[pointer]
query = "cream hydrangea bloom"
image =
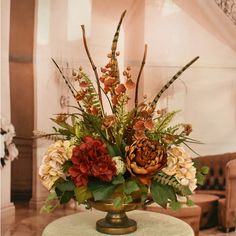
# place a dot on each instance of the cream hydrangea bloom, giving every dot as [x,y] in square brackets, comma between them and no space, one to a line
[120,165]
[51,167]
[180,165]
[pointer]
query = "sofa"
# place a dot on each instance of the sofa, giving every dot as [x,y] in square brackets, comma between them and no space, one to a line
[221,182]
[215,181]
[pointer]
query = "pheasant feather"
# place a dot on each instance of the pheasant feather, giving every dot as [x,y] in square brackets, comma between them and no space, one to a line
[114,62]
[167,85]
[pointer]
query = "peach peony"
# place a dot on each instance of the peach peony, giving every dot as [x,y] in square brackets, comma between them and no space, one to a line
[51,167]
[180,165]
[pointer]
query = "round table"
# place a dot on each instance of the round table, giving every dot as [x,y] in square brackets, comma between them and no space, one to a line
[208,204]
[149,223]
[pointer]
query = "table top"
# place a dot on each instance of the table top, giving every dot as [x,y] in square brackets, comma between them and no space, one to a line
[200,198]
[149,223]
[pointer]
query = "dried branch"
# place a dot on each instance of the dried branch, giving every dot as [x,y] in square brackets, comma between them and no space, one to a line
[67,83]
[94,68]
[139,75]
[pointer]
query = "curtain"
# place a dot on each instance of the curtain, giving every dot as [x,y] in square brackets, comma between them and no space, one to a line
[213,18]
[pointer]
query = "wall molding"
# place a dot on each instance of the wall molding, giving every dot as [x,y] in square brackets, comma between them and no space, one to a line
[16,58]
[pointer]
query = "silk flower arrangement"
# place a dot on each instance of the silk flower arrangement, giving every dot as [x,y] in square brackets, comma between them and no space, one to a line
[118,154]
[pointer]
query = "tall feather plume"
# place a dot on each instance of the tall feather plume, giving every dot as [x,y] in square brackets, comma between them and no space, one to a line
[114,62]
[167,85]
[139,75]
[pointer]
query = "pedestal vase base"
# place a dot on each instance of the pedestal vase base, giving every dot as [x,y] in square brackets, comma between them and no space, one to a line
[116,220]
[107,228]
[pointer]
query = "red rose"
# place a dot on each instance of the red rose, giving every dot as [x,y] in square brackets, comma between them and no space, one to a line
[91,158]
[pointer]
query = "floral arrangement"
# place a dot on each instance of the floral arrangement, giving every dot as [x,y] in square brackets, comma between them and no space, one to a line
[8,148]
[117,154]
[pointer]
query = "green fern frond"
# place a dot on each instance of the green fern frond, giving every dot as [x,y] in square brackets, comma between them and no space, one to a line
[171,181]
[121,120]
[129,131]
[121,113]
[173,129]
[164,121]
[92,98]
[92,125]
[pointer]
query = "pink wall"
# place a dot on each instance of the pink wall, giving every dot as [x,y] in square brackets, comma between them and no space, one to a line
[206,92]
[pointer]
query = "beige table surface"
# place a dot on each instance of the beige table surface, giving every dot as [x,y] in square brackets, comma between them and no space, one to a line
[149,224]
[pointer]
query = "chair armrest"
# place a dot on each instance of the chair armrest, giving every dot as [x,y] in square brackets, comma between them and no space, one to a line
[230,203]
[231,170]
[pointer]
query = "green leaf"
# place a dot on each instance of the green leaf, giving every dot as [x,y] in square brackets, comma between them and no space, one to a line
[50,203]
[101,190]
[189,202]
[73,120]
[66,166]
[58,192]
[185,191]
[161,193]
[82,194]
[128,199]
[47,209]
[119,179]
[64,132]
[200,178]
[66,196]
[66,186]
[63,124]
[144,191]
[113,150]
[174,205]
[117,202]
[52,196]
[77,130]
[204,170]
[130,187]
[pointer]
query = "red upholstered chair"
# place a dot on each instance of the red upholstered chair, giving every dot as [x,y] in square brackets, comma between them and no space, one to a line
[227,205]
[215,183]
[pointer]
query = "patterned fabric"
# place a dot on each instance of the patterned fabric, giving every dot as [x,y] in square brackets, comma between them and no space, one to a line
[229,8]
[215,180]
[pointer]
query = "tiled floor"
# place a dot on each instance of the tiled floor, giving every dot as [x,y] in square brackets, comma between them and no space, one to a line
[31,223]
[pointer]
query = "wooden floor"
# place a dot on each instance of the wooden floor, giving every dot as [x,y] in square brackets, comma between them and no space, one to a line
[30,222]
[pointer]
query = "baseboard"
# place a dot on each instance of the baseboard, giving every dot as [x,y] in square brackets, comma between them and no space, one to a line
[36,203]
